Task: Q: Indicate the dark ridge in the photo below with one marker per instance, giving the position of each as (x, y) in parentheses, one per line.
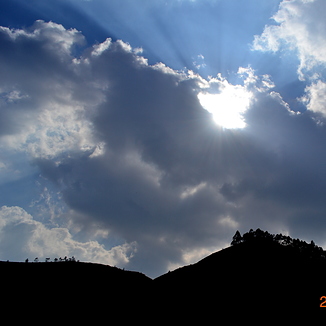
(79, 277)
(259, 275)
(74, 292)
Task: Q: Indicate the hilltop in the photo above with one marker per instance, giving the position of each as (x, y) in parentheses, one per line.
(259, 273)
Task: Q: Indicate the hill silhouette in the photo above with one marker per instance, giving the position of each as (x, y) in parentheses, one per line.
(260, 274)
(74, 292)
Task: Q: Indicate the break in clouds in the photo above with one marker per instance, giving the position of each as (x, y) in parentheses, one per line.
(137, 172)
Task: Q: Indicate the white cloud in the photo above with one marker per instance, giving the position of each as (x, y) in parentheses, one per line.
(44, 96)
(199, 62)
(300, 26)
(315, 97)
(55, 36)
(22, 237)
(98, 49)
(59, 129)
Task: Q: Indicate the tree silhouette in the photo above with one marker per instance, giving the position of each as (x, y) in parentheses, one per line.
(258, 237)
(237, 238)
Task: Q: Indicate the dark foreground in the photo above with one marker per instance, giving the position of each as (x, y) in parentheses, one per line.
(250, 281)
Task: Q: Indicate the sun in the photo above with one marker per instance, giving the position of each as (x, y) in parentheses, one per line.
(228, 106)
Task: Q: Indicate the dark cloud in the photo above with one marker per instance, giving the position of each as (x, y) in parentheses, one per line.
(134, 154)
(163, 177)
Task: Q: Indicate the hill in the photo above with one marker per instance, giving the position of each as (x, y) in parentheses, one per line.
(74, 292)
(259, 275)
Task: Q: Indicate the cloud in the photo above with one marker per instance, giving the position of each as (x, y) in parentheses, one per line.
(23, 237)
(315, 97)
(163, 161)
(119, 138)
(135, 156)
(40, 109)
(300, 26)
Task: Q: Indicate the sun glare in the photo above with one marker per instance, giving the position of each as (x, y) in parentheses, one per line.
(228, 106)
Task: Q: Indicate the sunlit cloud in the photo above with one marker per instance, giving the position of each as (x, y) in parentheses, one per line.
(228, 105)
(31, 238)
(299, 26)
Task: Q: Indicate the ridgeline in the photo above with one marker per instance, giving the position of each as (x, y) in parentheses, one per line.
(259, 274)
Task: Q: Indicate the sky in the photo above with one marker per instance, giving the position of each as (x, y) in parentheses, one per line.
(143, 133)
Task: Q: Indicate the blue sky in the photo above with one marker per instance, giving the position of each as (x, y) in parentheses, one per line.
(144, 133)
(174, 32)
